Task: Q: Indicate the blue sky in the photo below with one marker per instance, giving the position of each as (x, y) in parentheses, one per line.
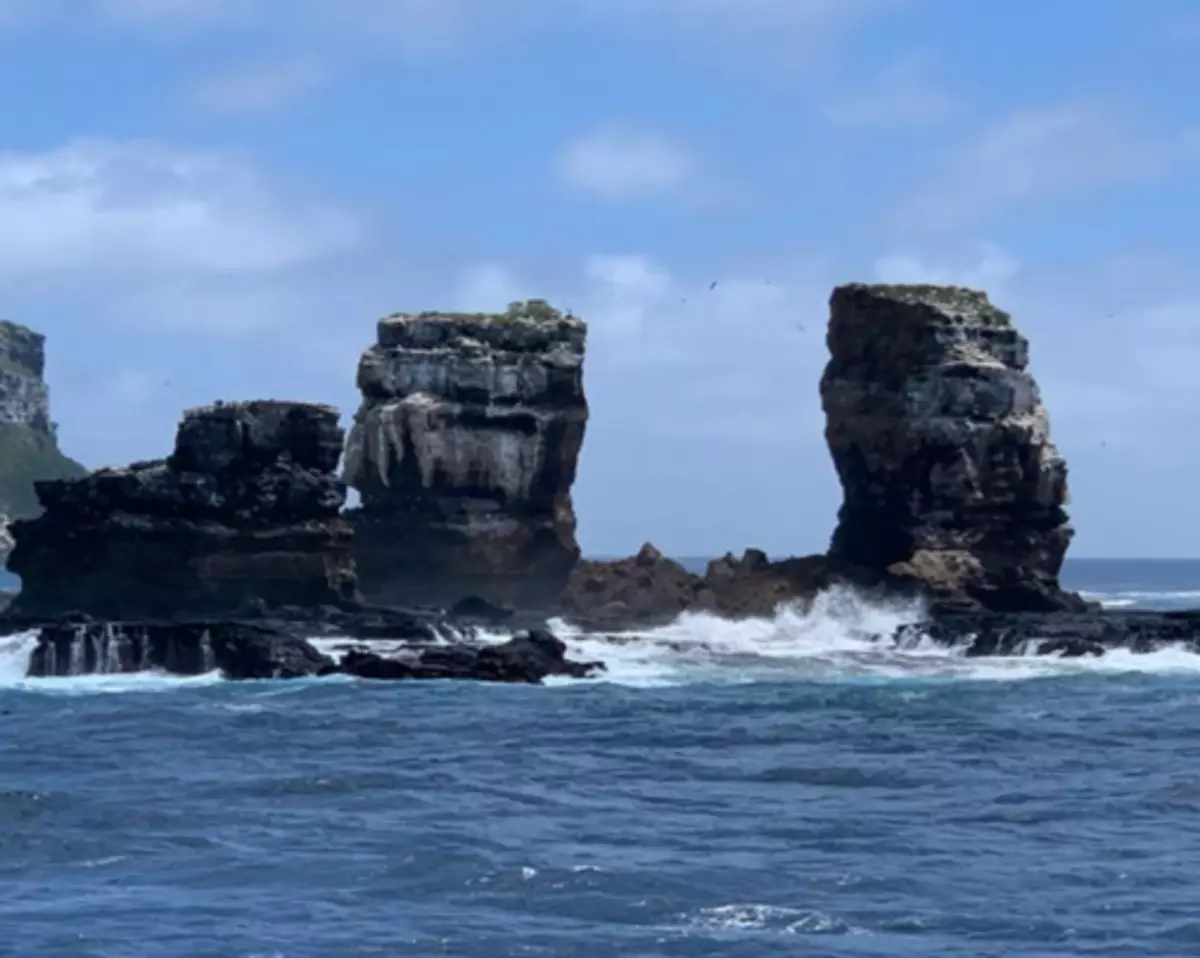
(207, 199)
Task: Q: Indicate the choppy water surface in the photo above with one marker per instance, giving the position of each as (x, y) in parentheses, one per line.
(771, 788)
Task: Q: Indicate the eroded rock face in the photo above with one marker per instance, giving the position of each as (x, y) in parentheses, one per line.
(245, 509)
(464, 452)
(942, 446)
(28, 444)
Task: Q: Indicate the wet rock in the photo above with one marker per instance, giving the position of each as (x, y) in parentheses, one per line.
(237, 650)
(527, 658)
(1066, 634)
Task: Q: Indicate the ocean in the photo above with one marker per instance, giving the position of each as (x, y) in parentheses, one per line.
(735, 790)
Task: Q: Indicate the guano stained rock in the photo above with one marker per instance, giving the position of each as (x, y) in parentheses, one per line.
(464, 451)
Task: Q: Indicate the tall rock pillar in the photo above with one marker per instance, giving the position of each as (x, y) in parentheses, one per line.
(942, 446)
(464, 451)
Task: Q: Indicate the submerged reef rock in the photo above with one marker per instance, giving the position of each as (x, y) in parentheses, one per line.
(28, 442)
(283, 649)
(942, 446)
(1064, 634)
(245, 509)
(464, 452)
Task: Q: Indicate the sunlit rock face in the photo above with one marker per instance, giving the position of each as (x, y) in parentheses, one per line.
(942, 446)
(464, 451)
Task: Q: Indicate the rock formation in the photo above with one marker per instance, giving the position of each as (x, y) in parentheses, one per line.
(28, 444)
(246, 508)
(942, 446)
(464, 452)
(648, 589)
(278, 650)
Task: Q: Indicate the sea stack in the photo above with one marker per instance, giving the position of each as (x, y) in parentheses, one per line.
(246, 509)
(464, 451)
(942, 446)
(28, 444)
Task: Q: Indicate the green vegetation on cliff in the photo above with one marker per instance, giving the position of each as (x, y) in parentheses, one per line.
(27, 455)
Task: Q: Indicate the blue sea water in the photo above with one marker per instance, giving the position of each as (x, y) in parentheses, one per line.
(753, 789)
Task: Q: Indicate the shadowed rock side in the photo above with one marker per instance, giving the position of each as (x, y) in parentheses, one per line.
(942, 446)
(464, 452)
(28, 442)
(245, 509)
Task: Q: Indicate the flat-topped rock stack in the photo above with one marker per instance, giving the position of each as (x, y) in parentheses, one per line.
(246, 509)
(464, 451)
(943, 449)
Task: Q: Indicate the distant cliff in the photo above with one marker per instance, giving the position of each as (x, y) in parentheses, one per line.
(28, 446)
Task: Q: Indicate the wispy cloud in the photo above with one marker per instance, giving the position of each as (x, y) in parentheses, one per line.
(902, 96)
(623, 163)
(1036, 155)
(259, 87)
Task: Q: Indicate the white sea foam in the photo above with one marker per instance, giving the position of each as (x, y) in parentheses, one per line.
(15, 653)
(834, 640)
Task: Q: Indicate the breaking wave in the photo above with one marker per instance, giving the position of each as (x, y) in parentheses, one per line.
(834, 640)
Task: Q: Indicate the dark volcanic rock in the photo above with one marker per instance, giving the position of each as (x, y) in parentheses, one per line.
(641, 591)
(238, 650)
(464, 453)
(1067, 634)
(943, 449)
(245, 509)
(273, 649)
(528, 658)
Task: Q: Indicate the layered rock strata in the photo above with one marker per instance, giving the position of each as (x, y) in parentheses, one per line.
(464, 452)
(942, 446)
(245, 509)
(28, 442)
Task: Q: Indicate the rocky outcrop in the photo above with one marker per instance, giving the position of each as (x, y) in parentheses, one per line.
(464, 452)
(641, 591)
(942, 446)
(279, 649)
(648, 589)
(1065, 634)
(246, 508)
(28, 442)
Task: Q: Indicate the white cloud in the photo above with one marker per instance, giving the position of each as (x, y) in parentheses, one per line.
(1035, 155)
(982, 265)
(618, 163)
(903, 97)
(259, 87)
(103, 205)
